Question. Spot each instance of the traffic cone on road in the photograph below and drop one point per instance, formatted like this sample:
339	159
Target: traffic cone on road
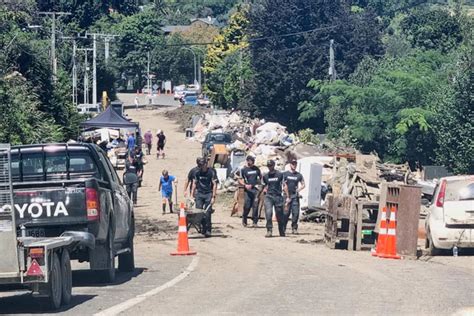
183	243
391	242
382	238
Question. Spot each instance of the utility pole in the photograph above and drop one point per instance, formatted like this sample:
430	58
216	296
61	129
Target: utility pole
74	68
148	81
54	62
94	60
106	49
86	75
199	71
332	66
94	69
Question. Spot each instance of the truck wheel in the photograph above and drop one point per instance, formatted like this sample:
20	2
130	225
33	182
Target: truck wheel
108	275
66	277
55	283
127	260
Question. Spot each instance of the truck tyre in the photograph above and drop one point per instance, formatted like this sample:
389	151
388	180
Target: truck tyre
55	283
108	275
66	277
127	260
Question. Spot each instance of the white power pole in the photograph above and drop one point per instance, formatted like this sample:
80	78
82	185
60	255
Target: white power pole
54	62
106	49
74	74
332	65
94	60
148	81
94	69
74	68
86	75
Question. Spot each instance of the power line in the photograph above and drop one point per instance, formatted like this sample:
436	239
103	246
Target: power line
256	39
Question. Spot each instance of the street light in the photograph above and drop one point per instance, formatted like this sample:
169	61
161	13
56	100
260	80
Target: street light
194	56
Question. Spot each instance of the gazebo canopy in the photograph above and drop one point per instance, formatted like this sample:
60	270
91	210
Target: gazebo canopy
108	119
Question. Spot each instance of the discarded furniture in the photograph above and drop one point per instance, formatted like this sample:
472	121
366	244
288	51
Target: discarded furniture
365	223
407	200
340	222
350	223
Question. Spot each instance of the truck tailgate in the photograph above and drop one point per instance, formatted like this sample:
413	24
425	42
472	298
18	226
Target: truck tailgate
50	206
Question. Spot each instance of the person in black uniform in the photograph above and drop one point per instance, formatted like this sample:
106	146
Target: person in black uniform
138	163
294	183
204	192
273	182
190	180
250	176
130	179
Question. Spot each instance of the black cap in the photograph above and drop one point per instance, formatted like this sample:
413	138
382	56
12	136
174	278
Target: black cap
270	163
251	158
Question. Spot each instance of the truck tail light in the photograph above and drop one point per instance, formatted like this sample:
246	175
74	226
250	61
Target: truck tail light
93	204
36	253
441	195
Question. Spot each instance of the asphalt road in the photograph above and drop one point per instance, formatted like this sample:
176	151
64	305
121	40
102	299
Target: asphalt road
238	271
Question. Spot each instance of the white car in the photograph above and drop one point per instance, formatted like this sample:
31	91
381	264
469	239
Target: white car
450	220
178	92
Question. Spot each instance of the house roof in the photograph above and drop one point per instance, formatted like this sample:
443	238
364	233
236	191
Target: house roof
183	28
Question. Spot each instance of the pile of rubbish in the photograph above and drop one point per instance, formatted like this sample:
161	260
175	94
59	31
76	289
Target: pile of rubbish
343	171
263	140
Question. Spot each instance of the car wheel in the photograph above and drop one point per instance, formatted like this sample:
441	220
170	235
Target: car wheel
127	260
432	250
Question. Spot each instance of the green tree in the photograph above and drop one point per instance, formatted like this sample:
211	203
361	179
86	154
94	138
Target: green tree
454	116
385	105
283	64
433	29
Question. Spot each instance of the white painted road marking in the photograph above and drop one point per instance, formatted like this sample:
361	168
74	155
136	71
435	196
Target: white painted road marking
140	298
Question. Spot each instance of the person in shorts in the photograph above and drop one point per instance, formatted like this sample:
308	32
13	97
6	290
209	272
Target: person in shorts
166	188
161	142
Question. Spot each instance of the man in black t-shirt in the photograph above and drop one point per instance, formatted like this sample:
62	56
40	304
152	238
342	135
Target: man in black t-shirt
204	192
130	179
250	176
190	179
273	181
294	183
160	145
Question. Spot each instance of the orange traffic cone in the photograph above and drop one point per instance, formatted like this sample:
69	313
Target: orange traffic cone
382	238
183	244
391	242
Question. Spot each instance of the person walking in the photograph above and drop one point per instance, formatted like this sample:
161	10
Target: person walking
136	103
250	176
130	179
148	141
131	144
166	188
139	165
204	191
161	144
273	182
294	183
188	184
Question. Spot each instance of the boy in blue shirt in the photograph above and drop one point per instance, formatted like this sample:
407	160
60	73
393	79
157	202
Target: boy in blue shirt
166	187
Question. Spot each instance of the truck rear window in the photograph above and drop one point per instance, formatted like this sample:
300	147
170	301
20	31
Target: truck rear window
59	165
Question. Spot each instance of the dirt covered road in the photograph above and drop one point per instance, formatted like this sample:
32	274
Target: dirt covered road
238	271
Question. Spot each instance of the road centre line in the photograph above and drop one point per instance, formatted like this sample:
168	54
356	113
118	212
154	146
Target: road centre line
115	310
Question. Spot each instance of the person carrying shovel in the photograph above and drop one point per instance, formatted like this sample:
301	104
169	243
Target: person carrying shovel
166	188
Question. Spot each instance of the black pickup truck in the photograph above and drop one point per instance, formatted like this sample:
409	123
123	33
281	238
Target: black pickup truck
73	187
